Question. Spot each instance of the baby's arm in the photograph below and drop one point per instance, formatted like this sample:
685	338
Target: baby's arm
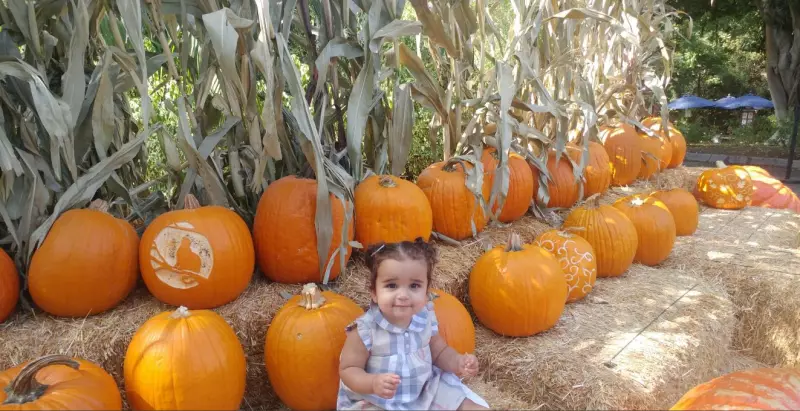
446	358
351	370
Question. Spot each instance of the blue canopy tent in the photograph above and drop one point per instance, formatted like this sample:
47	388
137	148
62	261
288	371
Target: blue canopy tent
689	102
725	101
749	101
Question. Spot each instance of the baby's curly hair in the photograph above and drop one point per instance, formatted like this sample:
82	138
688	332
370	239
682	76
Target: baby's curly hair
418	249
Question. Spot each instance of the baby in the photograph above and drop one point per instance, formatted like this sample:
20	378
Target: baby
396	359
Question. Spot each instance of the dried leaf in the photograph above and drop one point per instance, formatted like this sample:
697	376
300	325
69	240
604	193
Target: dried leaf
433	27
336	47
358	107
74	79
131	13
103	111
393	30
400	133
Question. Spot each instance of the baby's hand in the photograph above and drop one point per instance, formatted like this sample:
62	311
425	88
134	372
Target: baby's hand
385	385
467	365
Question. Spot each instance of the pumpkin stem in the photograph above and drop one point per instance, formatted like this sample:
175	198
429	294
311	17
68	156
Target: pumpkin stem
387	182
637	201
190	202
312	297
720	164
181	312
99	205
514	242
593	201
24	388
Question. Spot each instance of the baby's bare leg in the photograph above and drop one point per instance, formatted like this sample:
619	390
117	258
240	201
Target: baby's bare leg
469	405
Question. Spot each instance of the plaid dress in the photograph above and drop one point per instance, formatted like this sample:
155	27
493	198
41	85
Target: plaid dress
407	353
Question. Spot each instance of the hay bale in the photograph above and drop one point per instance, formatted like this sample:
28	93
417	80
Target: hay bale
637	341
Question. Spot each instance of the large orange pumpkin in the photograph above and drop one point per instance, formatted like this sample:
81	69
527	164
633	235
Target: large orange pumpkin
727	187
676	139
285	236
9	286
455	208
185	360
455	323
87	264
598	168
303	345
624	148
753	389
562	187
610	232
57	382
198	257
655	227
656	155
520	184
770	192
683	207
390	209
517	290
577	260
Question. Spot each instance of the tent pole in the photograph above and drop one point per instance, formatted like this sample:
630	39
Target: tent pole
793	143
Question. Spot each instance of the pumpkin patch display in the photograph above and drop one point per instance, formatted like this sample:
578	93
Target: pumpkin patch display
624	148
597	172
684	208
57	382
577	260
455	209
285	236
9	286
564	190
517	290
455	323
675	138
185	360
752	389
198	257
520	184
390	209
87	264
303	345
654	224
725	187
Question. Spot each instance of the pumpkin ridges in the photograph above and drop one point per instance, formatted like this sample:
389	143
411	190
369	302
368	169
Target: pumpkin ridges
453	205
684	209
577	260
455	323
390	209
676	139
756	388
563	188
520	184
655	227
9	285
623	146
597	172
725	187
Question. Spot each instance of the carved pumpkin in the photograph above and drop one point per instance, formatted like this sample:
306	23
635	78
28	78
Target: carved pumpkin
185	360
390	209
624	148
771	193
726	187
285	236
520	184
455	323
303	345
753	389
654	224
676	139
598	168
9	286
198	257
683	207
455	208
577	260
57	382
517	290
656	155
563	188
610	232
87	264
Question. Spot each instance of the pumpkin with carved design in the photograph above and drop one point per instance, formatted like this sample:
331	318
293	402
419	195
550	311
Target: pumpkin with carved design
751	389
725	187
455	323
520	184
577	260
390	209
9	285
655	227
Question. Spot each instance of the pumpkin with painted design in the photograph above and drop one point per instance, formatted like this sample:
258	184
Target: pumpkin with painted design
58	382
675	138
456	210
198	257
752	389
455	323
684	209
597	172
390	209
87	264
725	187
624	148
520	184
9	285
577	260
655	227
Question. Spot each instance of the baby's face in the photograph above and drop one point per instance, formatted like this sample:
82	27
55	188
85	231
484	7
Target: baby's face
401	289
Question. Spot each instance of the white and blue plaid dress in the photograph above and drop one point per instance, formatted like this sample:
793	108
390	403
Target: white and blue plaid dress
407	353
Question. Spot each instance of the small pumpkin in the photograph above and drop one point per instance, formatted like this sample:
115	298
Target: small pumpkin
597	172
725	187
57	382
562	187
185	360
684	208
610	232
455	323
198	257
577	260
87	264
303	345
455	207
624	148
655	227
770	192
517	290
285	236
675	138
520	184
752	389
390	209
9	286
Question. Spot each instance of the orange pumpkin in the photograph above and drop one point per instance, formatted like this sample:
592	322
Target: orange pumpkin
655	227
87	264
455	323
285	236
9	286
520	184
770	192
610	232
390	209
624	148
598	168
562	187
455	208
753	389
656	154
185	360
57	382
198	257
676	139
683	207
727	187
577	260
517	290
303	345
